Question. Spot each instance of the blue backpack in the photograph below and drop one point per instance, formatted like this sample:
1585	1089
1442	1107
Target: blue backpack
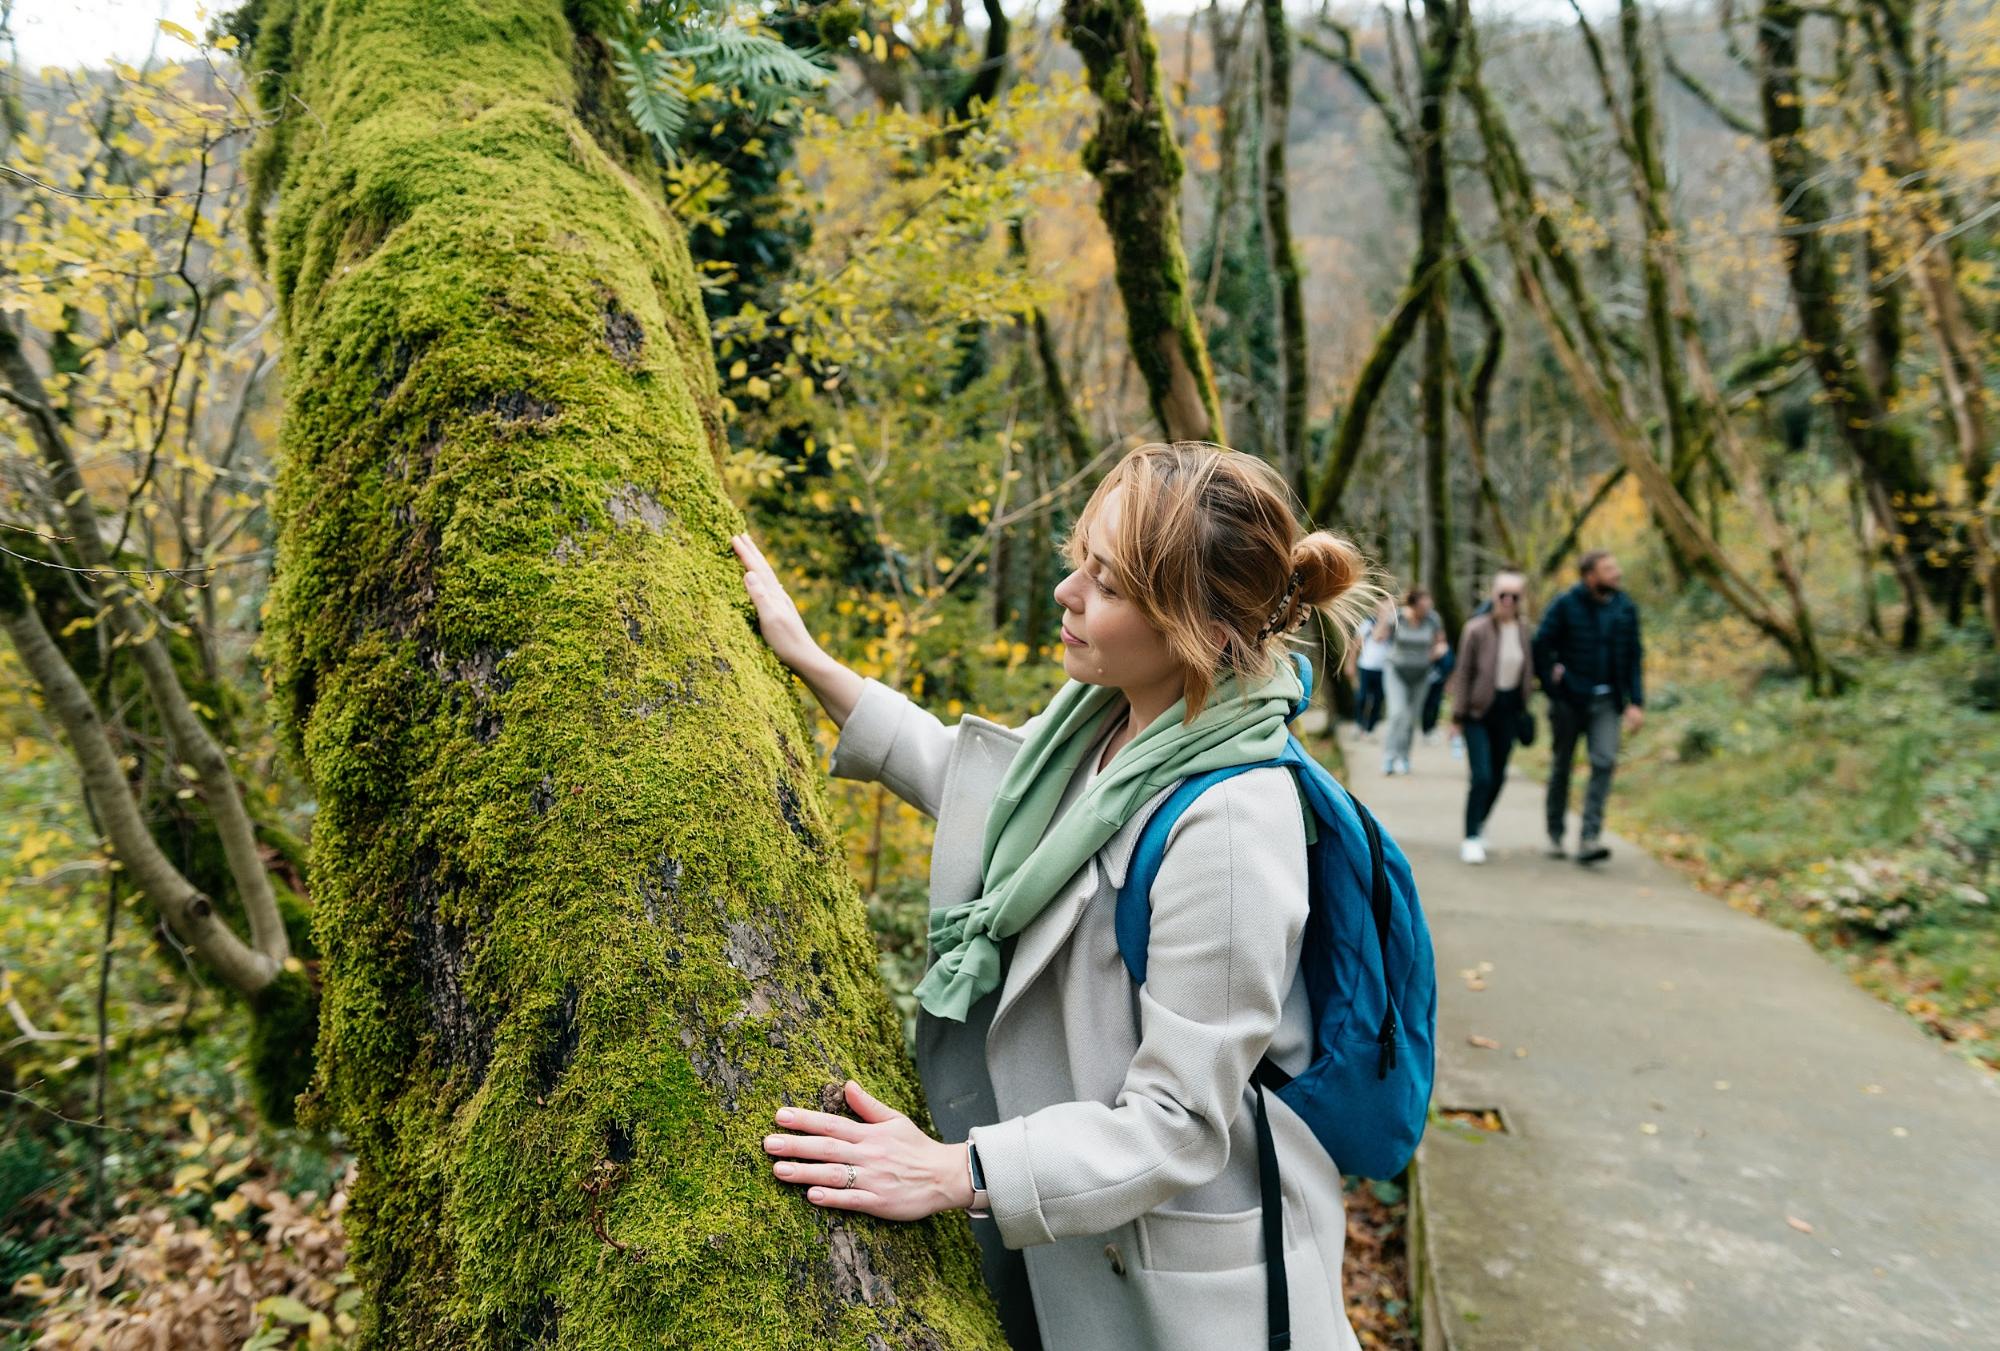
1371	982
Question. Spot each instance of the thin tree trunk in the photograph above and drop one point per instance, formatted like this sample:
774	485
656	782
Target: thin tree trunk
1475	402
585	921
1294	359
1443	29
103	1068
1068	423
189	913
1137	165
1564	546
1227	44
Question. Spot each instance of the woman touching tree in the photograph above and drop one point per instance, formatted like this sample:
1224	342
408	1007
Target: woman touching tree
1099	1132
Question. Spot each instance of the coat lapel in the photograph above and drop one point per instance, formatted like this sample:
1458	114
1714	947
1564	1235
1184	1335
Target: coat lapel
1101	874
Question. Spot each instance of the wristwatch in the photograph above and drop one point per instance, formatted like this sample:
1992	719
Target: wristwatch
978	1210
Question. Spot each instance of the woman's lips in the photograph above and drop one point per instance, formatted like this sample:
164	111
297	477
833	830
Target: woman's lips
1071	640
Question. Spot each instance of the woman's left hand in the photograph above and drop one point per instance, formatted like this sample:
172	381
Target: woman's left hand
898	1172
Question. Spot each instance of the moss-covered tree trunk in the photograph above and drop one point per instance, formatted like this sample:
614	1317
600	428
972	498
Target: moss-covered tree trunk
1137	164
1294	358
1898	484
584	920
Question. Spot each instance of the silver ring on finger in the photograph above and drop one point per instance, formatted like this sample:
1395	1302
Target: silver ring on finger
850	1178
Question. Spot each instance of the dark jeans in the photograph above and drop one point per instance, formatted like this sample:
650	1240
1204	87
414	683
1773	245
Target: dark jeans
1596	723
1433	702
1489	741
1368	701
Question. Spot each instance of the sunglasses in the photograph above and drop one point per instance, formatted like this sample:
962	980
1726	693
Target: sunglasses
1506	595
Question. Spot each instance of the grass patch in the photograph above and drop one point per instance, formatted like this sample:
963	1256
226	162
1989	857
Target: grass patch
1869	823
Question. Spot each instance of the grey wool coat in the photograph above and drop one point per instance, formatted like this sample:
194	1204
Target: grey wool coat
1116	1123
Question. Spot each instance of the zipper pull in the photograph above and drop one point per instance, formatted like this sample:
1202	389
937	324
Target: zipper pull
1388	1043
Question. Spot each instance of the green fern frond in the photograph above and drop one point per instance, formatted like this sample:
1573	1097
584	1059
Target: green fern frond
653	95
756	63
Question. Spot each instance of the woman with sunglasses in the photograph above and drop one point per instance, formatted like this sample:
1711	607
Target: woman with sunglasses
1488	689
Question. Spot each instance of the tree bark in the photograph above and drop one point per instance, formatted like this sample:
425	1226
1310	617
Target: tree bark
1294	359
1137	164
1475	402
584	919
1444	22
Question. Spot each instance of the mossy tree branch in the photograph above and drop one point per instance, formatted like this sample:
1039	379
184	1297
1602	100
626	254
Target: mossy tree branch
1137	164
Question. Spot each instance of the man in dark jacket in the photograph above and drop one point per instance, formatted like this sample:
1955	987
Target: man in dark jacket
1588	657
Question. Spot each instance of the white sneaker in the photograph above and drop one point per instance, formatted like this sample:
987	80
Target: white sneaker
1403	765
1472	851
1389	767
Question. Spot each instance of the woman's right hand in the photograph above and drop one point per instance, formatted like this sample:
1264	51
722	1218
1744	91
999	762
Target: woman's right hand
778	618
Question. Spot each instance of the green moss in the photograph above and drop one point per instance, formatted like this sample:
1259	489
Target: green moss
283	1027
583	923
1133	155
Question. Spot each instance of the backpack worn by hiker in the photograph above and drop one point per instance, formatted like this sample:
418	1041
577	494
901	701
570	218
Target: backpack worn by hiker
1370	980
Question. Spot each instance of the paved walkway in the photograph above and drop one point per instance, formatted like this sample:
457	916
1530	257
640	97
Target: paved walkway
1713	1138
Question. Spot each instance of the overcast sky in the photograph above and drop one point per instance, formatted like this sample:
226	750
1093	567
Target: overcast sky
76	32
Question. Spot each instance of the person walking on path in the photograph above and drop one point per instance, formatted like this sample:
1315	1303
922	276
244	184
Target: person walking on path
1588	656
1369	657
1440	676
1488	691
1416	638
1105	1136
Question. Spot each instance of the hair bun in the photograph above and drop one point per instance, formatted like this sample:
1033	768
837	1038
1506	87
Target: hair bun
1329	567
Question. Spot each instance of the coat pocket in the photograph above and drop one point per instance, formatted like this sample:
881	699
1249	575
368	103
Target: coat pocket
1201	1283
1187	1240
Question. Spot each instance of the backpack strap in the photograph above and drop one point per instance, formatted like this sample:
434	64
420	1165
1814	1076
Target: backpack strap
1271	1208
1133	920
1379	902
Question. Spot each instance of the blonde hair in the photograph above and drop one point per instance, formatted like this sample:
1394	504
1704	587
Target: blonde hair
1208	536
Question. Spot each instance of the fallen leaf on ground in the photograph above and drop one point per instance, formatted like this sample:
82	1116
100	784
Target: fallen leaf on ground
1649	1128
1798	1224
1483	1043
